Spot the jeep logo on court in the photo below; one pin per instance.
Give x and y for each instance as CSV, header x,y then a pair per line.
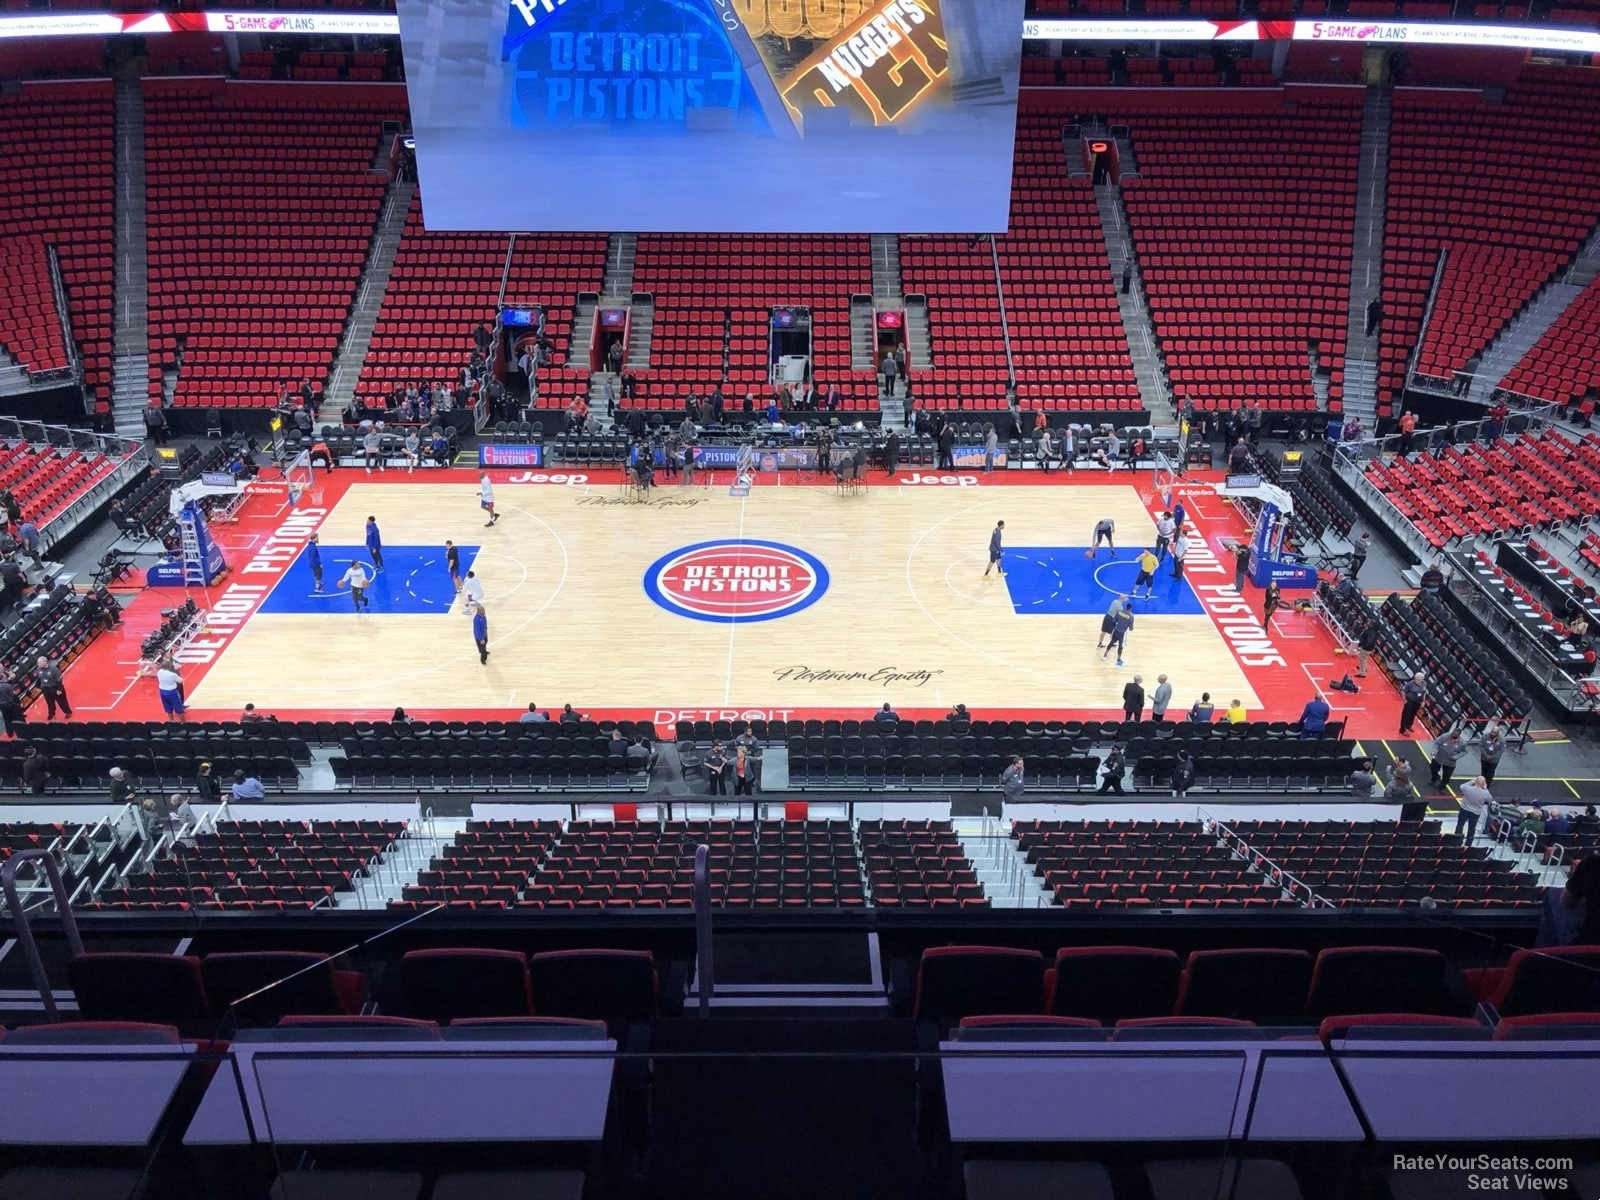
x,y
736,580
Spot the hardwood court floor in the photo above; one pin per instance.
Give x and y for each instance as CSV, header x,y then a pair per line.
x,y
906,615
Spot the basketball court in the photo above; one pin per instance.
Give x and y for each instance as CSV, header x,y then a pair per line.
x,y
792,600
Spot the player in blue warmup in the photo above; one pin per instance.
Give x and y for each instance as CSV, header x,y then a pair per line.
x,y
314,560
375,543
480,632
996,549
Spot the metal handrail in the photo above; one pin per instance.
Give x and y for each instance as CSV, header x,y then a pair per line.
x,y
1427,311
1255,857
1005,325
63,312
23,924
705,971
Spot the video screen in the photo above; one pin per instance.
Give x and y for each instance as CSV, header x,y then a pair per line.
x,y
714,116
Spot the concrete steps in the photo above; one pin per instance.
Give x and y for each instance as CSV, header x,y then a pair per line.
x,y
641,328
374,282
886,282
919,335
131,308
1008,878
1360,391
617,286
1149,371
1513,342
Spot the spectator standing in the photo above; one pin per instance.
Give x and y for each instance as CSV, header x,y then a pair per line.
x,y
1432,579
1112,772
1366,645
1491,746
47,676
890,369
717,770
169,684
1474,802
1160,698
1180,552
1413,692
744,772
1362,781
1241,565
1399,787
121,788
11,709
1359,550
1182,778
1133,699
991,448
35,770
1446,753
1013,785
1582,893
155,423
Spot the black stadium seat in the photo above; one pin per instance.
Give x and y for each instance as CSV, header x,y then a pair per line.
x,y
1112,983
441,985
288,982
1353,980
165,989
971,981
619,987
1265,986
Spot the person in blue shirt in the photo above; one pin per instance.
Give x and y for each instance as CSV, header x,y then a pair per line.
x,y
886,713
247,787
1314,718
774,416
28,535
374,543
1178,515
314,560
480,632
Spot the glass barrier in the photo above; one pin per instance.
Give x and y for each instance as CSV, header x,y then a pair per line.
x,y
739,1106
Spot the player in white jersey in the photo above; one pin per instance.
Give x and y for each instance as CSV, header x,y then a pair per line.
x,y
486,498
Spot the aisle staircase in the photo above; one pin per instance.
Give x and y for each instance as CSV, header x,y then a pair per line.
x,y
370,290
1007,876
131,309
1155,393
1514,341
1360,390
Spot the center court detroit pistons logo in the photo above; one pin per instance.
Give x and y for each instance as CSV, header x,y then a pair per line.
x,y
736,581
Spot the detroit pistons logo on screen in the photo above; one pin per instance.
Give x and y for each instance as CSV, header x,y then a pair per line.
x,y
736,581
